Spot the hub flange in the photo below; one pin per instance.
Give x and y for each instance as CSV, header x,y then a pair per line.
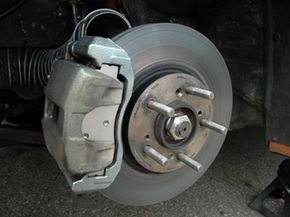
x,y
168,135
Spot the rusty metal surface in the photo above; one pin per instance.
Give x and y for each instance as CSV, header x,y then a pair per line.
x,y
142,121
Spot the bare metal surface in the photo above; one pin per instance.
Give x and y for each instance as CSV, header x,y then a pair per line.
x,y
82,148
159,158
107,53
172,44
62,131
213,126
180,127
189,162
199,92
100,128
32,185
161,108
164,89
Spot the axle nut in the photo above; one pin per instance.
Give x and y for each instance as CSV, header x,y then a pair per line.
x,y
179,127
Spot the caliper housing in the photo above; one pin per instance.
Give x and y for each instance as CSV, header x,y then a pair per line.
x,y
84,109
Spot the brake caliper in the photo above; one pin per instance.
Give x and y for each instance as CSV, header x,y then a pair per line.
x,y
84,109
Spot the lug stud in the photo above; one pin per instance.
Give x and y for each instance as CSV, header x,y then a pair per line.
x,y
199,92
190,162
155,155
213,126
161,108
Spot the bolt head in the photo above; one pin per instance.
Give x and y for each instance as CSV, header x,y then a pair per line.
x,y
106,123
86,136
179,127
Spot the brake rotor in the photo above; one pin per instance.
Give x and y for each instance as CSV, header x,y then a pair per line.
x,y
169,126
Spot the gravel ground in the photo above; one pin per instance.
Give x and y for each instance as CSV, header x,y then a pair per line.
x,y
32,185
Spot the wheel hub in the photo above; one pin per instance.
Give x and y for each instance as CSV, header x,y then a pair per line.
x,y
165,133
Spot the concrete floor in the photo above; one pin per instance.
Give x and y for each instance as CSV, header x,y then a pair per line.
x,y
32,185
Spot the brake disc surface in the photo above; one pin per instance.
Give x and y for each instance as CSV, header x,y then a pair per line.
x,y
166,57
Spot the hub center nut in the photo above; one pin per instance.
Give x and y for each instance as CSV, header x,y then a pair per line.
x,y
179,127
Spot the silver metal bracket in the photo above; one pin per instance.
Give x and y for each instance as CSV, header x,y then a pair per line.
x,y
84,112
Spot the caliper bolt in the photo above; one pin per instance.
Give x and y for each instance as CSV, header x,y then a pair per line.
x,y
155,155
190,162
213,126
161,108
199,92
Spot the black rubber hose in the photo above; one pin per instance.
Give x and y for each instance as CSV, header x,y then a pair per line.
x,y
31,67
26,67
